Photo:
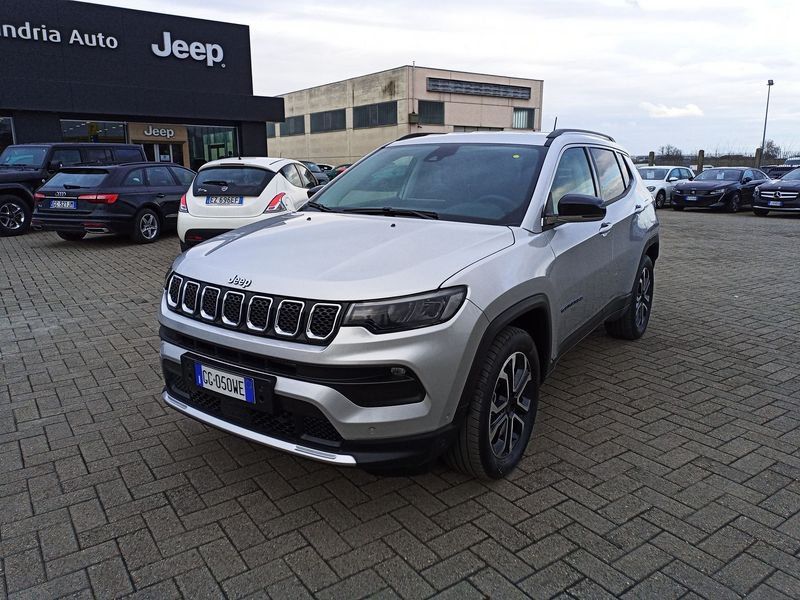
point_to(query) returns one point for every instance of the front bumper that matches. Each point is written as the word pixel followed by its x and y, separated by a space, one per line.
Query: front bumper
pixel 785 205
pixel 342 431
pixel 705 201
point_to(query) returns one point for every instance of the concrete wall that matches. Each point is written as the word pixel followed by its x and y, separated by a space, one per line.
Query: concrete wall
pixel 406 85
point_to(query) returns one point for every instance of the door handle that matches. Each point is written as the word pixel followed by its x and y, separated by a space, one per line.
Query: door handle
pixel 161 195
pixel 637 209
pixel 605 224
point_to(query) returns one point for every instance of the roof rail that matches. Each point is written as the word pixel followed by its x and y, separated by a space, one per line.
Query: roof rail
pixel 416 135
pixel 557 132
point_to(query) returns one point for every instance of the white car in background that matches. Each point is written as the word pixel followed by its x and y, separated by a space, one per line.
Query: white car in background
pixel 660 180
pixel 232 192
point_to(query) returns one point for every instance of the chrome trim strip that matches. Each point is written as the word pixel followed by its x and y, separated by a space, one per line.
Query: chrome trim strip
pixel 328 457
pixel 310 335
pixel 250 326
pixel 225 319
pixel 203 313
pixel 779 208
pixel 169 287
pixel 280 331
pixel 185 308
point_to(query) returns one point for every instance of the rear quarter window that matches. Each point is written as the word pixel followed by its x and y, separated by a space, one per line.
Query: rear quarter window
pixel 231 181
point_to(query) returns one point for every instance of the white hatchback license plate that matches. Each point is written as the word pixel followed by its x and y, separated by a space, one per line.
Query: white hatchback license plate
pixel 691 198
pixel 774 203
pixel 235 386
pixel 225 200
pixel 62 204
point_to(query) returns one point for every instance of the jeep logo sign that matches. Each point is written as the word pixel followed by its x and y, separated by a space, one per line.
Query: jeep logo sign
pixel 212 54
pixel 156 132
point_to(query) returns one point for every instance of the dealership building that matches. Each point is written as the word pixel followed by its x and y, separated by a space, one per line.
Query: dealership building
pixel 79 72
pixel 340 122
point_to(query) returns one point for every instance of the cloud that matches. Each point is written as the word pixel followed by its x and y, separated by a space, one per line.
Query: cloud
pixel 662 111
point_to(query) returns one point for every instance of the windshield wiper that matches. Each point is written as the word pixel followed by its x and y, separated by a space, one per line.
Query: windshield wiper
pixel 393 212
pixel 319 207
pixel 219 182
pixel 70 186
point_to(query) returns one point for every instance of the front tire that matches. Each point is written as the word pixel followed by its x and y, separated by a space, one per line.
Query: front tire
pixel 633 322
pixel 760 212
pixel 15 215
pixel 735 203
pixel 71 236
pixel 146 227
pixel 502 409
pixel 661 199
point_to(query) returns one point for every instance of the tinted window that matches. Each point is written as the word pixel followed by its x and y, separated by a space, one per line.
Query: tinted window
pixel 128 155
pixel 651 174
pixel 719 175
pixel 478 183
pixel 292 176
pixel 573 176
pixel 243 181
pixel 98 156
pixel 611 184
pixel 686 174
pixel 67 157
pixel 74 181
pixel 32 156
pixel 159 177
pixel 330 120
pixel 134 178
pixel 184 176
pixel 313 167
pixel 759 174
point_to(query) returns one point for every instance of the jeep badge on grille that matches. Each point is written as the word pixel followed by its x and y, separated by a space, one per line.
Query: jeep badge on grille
pixel 240 281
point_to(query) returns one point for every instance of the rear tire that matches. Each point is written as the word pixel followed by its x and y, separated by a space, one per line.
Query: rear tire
pixel 760 212
pixel 15 215
pixel 502 409
pixel 71 236
pixel 146 226
pixel 633 322
pixel 661 199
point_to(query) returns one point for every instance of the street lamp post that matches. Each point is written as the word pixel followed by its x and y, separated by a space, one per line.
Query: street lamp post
pixel 766 115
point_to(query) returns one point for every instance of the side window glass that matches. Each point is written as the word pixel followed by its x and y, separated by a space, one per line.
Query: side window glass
pixel 611 185
pixel 573 176
pixel 306 177
pixel 292 175
pixel 748 174
pixel 159 177
pixel 674 173
pixel 134 178
pixel 185 176
pixel 67 157
pixel 760 175
pixel 97 156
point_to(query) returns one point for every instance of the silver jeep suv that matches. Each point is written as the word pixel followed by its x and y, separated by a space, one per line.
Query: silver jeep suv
pixel 413 307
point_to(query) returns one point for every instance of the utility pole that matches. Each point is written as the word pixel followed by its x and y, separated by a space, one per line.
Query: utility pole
pixel 766 115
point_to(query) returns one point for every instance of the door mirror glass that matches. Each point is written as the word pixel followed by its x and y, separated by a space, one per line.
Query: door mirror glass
pixel 579 208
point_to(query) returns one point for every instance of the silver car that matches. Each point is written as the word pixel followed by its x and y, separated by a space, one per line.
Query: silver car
pixel 413 307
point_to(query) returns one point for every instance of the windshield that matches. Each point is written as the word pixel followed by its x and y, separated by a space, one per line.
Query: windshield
pixel 24 156
pixel 719 175
pixel 313 167
pixel 231 181
pixel 792 176
pixel 475 183
pixel 83 179
pixel 653 174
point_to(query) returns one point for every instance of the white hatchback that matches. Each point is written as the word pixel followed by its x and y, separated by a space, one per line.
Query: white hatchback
pixel 661 179
pixel 233 192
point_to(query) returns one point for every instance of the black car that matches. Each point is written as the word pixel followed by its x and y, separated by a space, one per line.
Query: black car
pixel 727 188
pixel 139 199
pixel 320 175
pixel 24 167
pixel 781 196
pixel 777 171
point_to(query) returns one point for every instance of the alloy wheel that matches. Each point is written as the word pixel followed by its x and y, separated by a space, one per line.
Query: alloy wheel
pixel 148 225
pixel 644 297
pixel 510 405
pixel 12 216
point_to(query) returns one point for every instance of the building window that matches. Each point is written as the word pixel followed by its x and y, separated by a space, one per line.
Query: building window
pixel 210 143
pixel 6 133
pixel 94 131
pixel 330 120
pixel 524 118
pixel 468 128
pixel 431 113
pixel 375 115
pixel 478 88
pixel 293 126
pixel 270 130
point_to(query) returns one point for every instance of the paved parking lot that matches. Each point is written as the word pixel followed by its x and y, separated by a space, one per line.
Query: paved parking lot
pixel 662 468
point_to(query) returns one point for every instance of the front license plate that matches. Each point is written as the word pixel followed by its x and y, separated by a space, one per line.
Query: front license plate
pixel 691 198
pixel 62 204
pixel 225 200
pixel 774 203
pixel 235 386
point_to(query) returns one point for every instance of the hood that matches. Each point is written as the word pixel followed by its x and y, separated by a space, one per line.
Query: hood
pixel 323 256
pixel 780 185
pixel 704 185
pixel 18 175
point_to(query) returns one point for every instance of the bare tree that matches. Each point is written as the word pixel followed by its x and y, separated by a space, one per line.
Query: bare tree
pixel 670 151
pixel 771 150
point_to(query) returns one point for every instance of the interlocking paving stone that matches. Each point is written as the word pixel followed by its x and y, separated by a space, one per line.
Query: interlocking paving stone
pixel 663 468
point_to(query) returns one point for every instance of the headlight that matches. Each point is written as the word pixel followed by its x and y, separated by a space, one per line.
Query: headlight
pixel 650 188
pixel 408 312
pixel 757 192
pixel 717 192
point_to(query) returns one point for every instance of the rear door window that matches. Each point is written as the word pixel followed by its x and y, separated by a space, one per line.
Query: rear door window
pixel 68 157
pixel 159 177
pixel 134 179
pixel 128 155
pixel 626 175
pixel 184 176
pixel 231 181
pixel 611 183
pixel 97 156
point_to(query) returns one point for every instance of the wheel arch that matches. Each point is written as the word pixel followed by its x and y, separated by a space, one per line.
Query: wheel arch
pixel 19 191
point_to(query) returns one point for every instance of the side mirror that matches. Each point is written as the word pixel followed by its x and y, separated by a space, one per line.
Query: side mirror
pixel 672 179
pixel 691 177
pixel 747 180
pixel 314 190
pixel 53 166
pixel 578 208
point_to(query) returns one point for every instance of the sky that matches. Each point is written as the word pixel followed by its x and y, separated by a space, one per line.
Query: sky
pixel 690 73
